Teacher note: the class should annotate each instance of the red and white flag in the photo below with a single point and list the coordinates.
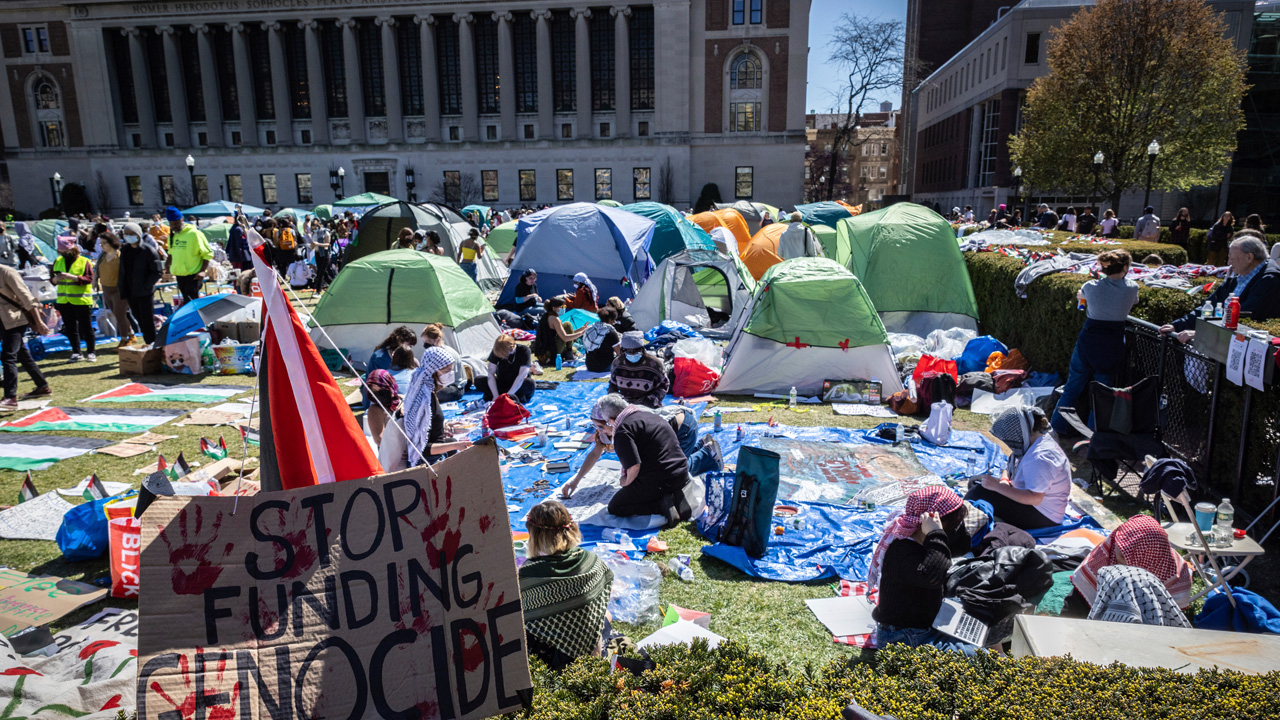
(315, 435)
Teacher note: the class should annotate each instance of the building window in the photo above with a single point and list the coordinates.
(295, 59)
(884, 148)
(372, 81)
(303, 181)
(168, 139)
(989, 137)
(739, 14)
(119, 47)
(453, 187)
(742, 183)
(564, 74)
(640, 189)
(604, 184)
(757, 12)
(528, 132)
(305, 136)
(524, 32)
(489, 184)
(200, 189)
(235, 189)
(255, 37)
(604, 130)
(158, 73)
(202, 138)
(35, 39)
(745, 73)
(335, 69)
(189, 56)
(236, 138)
(642, 73)
(643, 128)
(1032, 52)
(48, 104)
(491, 132)
(409, 56)
(485, 32)
(271, 137)
(602, 62)
(564, 184)
(744, 117)
(134, 185)
(449, 69)
(225, 63)
(884, 171)
(455, 134)
(168, 191)
(864, 171)
(528, 186)
(269, 196)
(566, 130)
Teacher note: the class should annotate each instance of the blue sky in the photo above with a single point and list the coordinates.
(822, 18)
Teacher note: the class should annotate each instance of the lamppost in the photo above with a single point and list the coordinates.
(56, 184)
(1017, 184)
(1152, 151)
(1098, 159)
(191, 171)
(342, 182)
(410, 182)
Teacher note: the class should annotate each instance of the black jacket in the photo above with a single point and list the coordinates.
(139, 270)
(1261, 298)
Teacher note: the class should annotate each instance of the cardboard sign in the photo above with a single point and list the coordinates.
(388, 596)
(29, 600)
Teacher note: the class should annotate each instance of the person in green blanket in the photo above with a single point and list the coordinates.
(564, 589)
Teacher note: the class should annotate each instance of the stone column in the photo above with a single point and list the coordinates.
(546, 88)
(316, 93)
(582, 56)
(142, 88)
(212, 98)
(621, 71)
(355, 96)
(244, 86)
(430, 82)
(470, 101)
(176, 82)
(506, 75)
(281, 99)
(391, 80)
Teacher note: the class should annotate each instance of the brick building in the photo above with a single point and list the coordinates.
(868, 166)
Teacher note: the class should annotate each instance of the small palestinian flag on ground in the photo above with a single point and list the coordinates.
(147, 392)
(39, 452)
(94, 489)
(28, 491)
(121, 420)
(249, 435)
(178, 469)
(216, 452)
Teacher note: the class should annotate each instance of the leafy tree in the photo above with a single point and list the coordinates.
(1122, 74)
(708, 198)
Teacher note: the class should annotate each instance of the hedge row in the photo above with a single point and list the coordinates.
(912, 684)
(1197, 240)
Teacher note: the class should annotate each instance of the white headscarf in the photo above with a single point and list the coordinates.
(582, 278)
(417, 403)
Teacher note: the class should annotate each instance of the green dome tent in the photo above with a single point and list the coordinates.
(503, 237)
(907, 258)
(672, 233)
(324, 212)
(609, 203)
(368, 199)
(217, 232)
(374, 294)
(809, 320)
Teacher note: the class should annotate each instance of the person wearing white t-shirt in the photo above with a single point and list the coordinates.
(1032, 493)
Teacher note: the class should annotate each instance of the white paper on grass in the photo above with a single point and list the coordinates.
(113, 488)
(843, 616)
(37, 519)
(1255, 363)
(1235, 359)
(985, 403)
(680, 632)
(879, 411)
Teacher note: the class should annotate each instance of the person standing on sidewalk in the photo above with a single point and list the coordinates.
(189, 255)
(109, 283)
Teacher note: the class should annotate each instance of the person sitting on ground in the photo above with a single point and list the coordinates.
(1255, 280)
(639, 376)
(602, 342)
(654, 469)
(624, 323)
(797, 240)
(433, 336)
(1153, 260)
(402, 360)
(554, 337)
(525, 300)
(1128, 594)
(384, 395)
(564, 589)
(584, 295)
(1032, 492)
(381, 357)
(1139, 542)
(909, 569)
(423, 419)
(509, 366)
(1109, 224)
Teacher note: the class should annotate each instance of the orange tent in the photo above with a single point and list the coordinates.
(854, 210)
(762, 252)
(729, 219)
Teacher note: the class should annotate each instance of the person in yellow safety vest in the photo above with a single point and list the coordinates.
(73, 275)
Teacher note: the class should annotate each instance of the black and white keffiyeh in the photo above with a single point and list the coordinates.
(1133, 595)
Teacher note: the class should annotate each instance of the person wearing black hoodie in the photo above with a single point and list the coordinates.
(140, 265)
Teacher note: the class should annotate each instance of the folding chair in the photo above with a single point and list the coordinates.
(1200, 552)
(1126, 428)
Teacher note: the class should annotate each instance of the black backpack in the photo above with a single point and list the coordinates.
(755, 489)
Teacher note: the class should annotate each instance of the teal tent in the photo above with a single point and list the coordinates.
(823, 213)
(672, 233)
(481, 213)
(219, 208)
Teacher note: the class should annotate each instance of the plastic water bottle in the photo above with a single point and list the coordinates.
(1222, 530)
(1206, 310)
(739, 433)
(718, 421)
(1217, 310)
(791, 399)
(559, 363)
(897, 433)
(684, 572)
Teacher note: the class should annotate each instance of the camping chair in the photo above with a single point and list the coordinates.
(1126, 429)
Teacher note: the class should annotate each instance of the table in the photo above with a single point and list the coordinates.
(1245, 547)
(1185, 650)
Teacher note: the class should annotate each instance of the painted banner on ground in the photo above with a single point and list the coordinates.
(121, 420)
(392, 596)
(149, 392)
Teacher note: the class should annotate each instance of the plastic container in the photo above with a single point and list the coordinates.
(559, 363)
(791, 398)
(621, 537)
(1232, 319)
(718, 425)
(633, 597)
(1223, 531)
(682, 571)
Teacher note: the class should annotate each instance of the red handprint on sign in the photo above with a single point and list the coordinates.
(193, 570)
(187, 708)
(297, 532)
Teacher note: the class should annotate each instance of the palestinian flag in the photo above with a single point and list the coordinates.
(120, 420)
(250, 435)
(145, 392)
(215, 451)
(28, 491)
(39, 452)
(177, 470)
(94, 489)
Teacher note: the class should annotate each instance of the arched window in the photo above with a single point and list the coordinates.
(46, 96)
(48, 104)
(745, 73)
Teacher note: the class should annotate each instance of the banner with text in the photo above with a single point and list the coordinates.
(393, 596)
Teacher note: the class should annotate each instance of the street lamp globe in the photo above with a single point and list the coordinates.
(1154, 148)
(1017, 171)
(1099, 158)
(57, 177)
(191, 162)
(342, 172)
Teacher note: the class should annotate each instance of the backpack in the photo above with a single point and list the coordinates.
(287, 240)
(755, 489)
(936, 387)
(505, 412)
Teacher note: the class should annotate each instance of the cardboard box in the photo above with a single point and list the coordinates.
(249, 331)
(136, 361)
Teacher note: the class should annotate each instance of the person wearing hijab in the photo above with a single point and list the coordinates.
(140, 268)
(73, 275)
(584, 295)
(1033, 490)
(909, 570)
(1140, 542)
(423, 419)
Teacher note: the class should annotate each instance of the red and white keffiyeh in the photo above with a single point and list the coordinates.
(1141, 542)
(936, 499)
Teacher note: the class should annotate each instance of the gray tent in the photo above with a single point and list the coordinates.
(379, 228)
(705, 290)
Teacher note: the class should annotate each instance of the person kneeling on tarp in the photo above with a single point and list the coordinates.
(564, 590)
(509, 366)
(909, 568)
(654, 468)
(1035, 487)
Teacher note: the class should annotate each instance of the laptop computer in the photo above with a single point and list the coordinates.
(954, 621)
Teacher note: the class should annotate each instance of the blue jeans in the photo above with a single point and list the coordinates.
(470, 269)
(915, 637)
(701, 459)
(1078, 378)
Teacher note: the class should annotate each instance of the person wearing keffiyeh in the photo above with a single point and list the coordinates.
(1140, 542)
(1133, 595)
(423, 420)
